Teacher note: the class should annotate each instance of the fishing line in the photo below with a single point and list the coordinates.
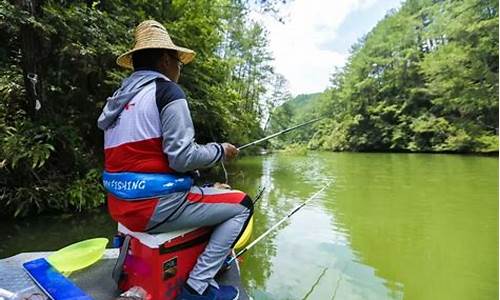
(259, 194)
(226, 177)
(338, 281)
(315, 284)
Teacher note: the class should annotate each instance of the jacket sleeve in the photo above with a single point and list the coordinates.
(183, 153)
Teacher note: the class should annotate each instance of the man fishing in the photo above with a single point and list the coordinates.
(149, 142)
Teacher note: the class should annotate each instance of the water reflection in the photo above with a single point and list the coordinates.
(46, 233)
(393, 225)
(428, 222)
(306, 258)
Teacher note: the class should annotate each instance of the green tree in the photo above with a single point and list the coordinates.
(424, 79)
(51, 157)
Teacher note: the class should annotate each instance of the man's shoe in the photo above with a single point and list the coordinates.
(187, 293)
(225, 292)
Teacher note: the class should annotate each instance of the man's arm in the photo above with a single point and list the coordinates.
(183, 153)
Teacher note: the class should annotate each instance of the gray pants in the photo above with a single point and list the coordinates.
(228, 210)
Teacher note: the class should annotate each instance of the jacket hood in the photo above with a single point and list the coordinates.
(129, 88)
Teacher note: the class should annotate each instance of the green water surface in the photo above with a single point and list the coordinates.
(391, 226)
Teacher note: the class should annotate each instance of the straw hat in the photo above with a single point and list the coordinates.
(151, 34)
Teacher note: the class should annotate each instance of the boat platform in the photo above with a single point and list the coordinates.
(95, 280)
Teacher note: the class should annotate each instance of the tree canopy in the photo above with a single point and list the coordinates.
(425, 79)
(57, 62)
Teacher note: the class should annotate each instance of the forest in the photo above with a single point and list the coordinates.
(425, 79)
(57, 62)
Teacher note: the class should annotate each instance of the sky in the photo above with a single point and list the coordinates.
(316, 37)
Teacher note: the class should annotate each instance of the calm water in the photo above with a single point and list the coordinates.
(391, 226)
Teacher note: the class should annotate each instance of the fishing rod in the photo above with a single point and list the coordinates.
(226, 179)
(278, 133)
(240, 253)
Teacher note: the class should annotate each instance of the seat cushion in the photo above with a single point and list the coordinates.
(154, 240)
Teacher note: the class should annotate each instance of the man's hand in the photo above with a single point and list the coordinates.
(222, 186)
(230, 151)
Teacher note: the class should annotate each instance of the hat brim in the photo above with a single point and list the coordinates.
(185, 55)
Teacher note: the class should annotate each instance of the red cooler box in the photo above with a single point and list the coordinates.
(160, 263)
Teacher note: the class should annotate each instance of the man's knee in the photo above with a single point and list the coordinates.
(247, 202)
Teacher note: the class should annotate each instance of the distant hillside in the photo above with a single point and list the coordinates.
(301, 105)
(304, 102)
(300, 109)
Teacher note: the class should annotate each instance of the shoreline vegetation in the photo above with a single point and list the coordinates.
(57, 62)
(424, 80)
(302, 149)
